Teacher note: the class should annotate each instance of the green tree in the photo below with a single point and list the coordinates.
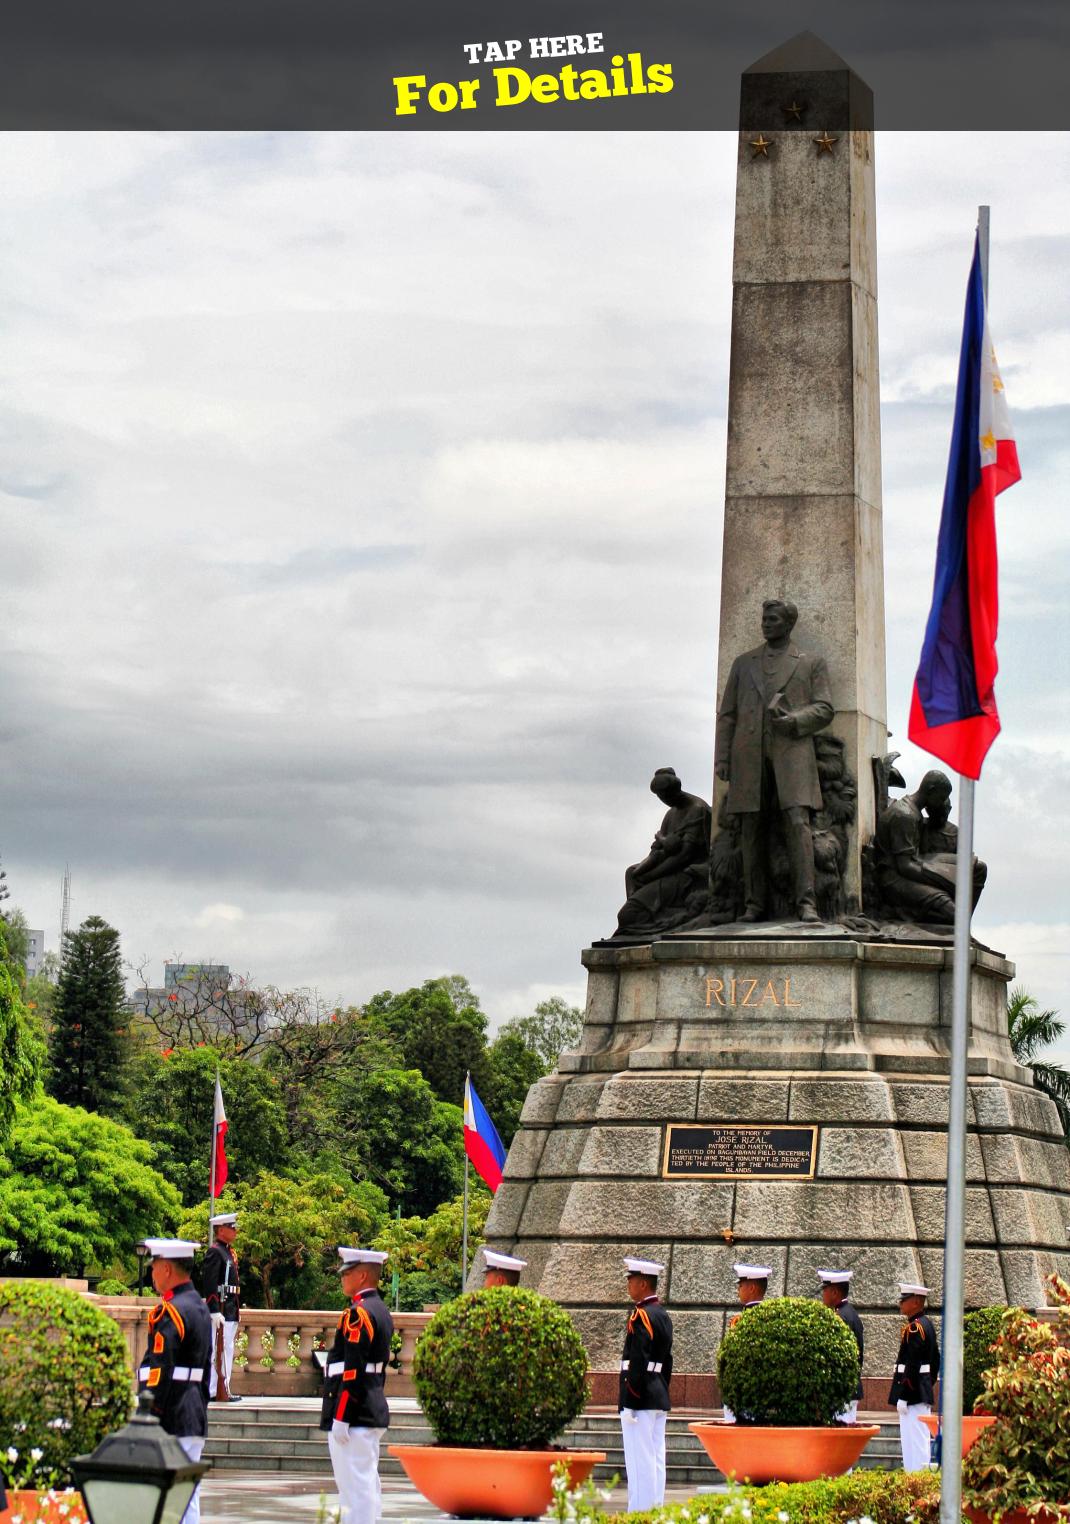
(88, 1041)
(21, 1050)
(435, 1035)
(170, 1099)
(287, 1229)
(1032, 1030)
(426, 1251)
(514, 1068)
(77, 1190)
(552, 1030)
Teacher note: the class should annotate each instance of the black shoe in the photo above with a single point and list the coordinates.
(234, 1397)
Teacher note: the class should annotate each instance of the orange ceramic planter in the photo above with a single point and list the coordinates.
(43, 1508)
(490, 1484)
(753, 1454)
(1015, 1516)
(972, 1426)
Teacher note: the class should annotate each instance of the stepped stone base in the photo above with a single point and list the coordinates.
(844, 1035)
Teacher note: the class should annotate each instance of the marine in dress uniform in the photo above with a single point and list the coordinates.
(752, 1284)
(916, 1370)
(355, 1414)
(645, 1373)
(502, 1269)
(835, 1293)
(222, 1293)
(174, 1368)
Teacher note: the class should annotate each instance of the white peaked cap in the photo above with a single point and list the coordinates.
(170, 1248)
(912, 1288)
(753, 1272)
(224, 1220)
(503, 1261)
(835, 1277)
(361, 1256)
(643, 1267)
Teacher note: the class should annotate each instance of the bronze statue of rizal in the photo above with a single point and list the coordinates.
(776, 698)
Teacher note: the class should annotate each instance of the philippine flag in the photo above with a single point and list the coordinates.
(953, 708)
(219, 1145)
(481, 1141)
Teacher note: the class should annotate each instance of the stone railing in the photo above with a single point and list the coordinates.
(280, 1353)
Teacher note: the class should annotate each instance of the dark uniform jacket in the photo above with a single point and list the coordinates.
(222, 1290)
(918, 1364)
(854, 1323)
(356, 1365)
(176, 1365)
(646, 1362)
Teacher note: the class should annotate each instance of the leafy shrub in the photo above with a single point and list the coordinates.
(503, 1367)
(64, 1378)
(882, 1497)
(109, 1286)
(980, 1330)
(788, 1361)
(1024, 1457)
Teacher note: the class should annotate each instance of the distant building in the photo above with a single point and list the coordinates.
(190, 986)
(35, 952)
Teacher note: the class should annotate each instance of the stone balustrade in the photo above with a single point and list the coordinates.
(280, 1352)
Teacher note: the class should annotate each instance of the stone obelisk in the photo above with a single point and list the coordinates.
(771, 1093)
(803, 488)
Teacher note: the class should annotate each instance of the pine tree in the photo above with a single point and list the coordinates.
(88, 1039)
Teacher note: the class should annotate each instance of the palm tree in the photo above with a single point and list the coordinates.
(1031, 1030)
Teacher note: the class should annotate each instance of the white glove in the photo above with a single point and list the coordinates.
(628, 1415)
(340, 1430)
(901, 1405)
(217, 1321)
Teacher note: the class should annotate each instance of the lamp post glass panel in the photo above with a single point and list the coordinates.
(141, 1475)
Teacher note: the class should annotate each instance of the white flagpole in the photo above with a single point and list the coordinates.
(955, 1208)
(211, 1167)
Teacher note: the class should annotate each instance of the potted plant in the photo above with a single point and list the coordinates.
(786, 1369)
(980, 1330)
(64, 1384)
(499, 1373)
(1018, 1470)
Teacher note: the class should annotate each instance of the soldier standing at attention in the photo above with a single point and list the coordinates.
(645, 1373)
(917, 1367)
(752, 1284)
(222, 1293)
(355, 1413)
(835, 1293)
(502, 1269)
(174, 1368)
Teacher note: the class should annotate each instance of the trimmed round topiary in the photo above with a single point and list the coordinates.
(64, 1378)
(788, 1361)
(504, 1367)
(980, 1330)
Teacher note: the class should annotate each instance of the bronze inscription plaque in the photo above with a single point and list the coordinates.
(739, 1153)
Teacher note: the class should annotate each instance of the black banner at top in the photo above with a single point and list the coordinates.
(527, 65)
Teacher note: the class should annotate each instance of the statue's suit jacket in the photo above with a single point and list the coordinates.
(804, 682)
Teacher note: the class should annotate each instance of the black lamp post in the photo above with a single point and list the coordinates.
(141, 1475)
(142, 1253)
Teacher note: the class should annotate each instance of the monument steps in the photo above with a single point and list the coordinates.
(285, 1437)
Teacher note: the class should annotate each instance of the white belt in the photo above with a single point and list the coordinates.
(625, 1365)
(375, 1370)
(336, 1368)
(339, 1366)
(654, 1366)
(180, 1373)
(924, 1369)
(900, 1368)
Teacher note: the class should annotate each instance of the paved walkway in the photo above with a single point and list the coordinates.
(258, 1498)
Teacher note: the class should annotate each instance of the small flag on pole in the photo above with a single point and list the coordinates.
(481, 1141)
(953, 709)
(219, 1144)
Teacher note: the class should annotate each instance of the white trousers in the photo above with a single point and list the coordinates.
(193, 1448)
(644, 1457)
(914, 1437)
(230, 1333)
(849, 1414)
(356, 1474)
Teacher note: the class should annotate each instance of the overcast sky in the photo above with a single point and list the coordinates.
(360, 517)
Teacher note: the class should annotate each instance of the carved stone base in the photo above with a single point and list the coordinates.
(845, 1036)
